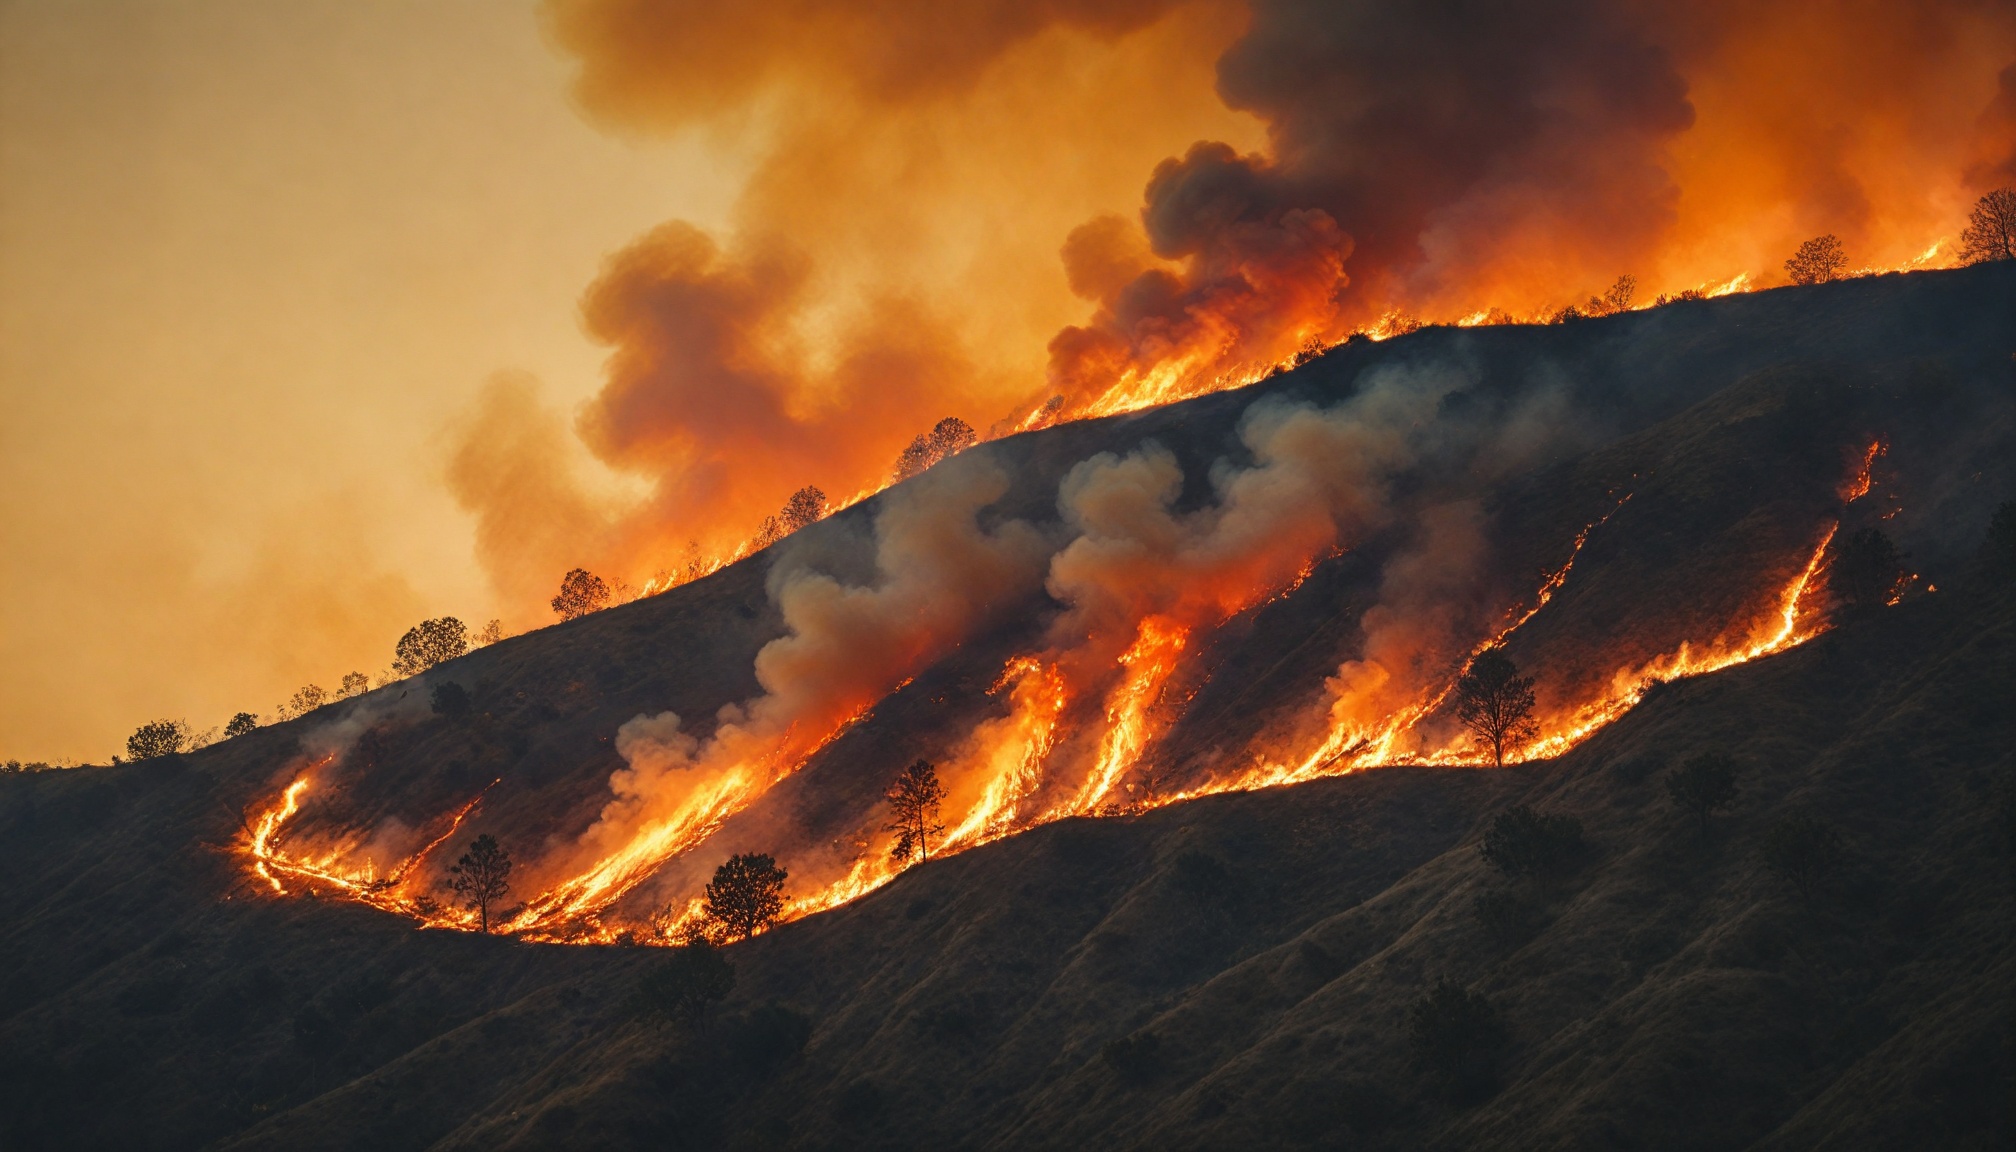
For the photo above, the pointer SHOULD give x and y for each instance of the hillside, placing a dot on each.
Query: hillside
(1669, 992)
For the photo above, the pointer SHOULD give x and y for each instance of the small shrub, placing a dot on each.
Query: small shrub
(681, 990)
(1506, 918)
(240, 724)
(1459, 1035)
(1868, 569)
(1522, 842)
(450, 699)
(1137, 1057)
(1703, 785)
(1805, 851)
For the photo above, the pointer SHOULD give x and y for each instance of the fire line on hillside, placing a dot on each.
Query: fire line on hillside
(1010, 766)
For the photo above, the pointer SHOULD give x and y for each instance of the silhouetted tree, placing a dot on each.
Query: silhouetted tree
(157, 738)
(1496, 703)
(1522, 842)
(1805, 851)
(1617, 299)
(240, 724)
(746, 895)
(428, 643)
(1991, 229)
(354, 684)
(693, 977)
(450, 699)
(948, 437)
(1868, 568)
(482, 877)
(306, 699)
(806, 507)
(914, 798)
(1702, 785)
(492, 632)
(581, 592)
(1459, 1035)
(1817, 261)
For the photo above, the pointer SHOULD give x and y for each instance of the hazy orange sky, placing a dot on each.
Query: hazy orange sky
(321, 317)
(259, 261)
(254, 257)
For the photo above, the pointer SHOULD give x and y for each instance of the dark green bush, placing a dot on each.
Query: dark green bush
(1806, 852)
(1508, 920)
(1703, 785)
(690, 981)
(1522, 842)
(1459, 1035)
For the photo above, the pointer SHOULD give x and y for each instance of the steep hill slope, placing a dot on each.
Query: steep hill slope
(1668, 993)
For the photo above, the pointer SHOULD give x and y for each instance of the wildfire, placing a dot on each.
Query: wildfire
(1857, 485)
(1148, 664)
(270, 862)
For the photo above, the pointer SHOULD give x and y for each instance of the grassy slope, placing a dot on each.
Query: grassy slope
(1677, 997)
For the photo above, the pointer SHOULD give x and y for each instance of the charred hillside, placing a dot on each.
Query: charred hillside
(1645, 509)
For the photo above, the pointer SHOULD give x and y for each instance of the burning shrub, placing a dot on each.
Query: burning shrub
(428, 643)
(1868, 570)
(691, 980)
(746, 895)
(581, 592)
(1804, 851)
(1991, 229)
(1702, 785)
(1459, 1035)
(913, 812)
(240, 724)
(1522, 842)
(1817, 261)
(157, 738)
(482, 877)
(1496, 703)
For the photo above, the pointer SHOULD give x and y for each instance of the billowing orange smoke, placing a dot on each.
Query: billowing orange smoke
(1312, 168)
(846, 648)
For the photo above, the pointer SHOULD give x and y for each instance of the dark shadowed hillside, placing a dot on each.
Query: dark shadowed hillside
(1235, 971)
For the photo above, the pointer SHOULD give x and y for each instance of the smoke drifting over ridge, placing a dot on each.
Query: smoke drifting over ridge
(846, 646)
(884, 268)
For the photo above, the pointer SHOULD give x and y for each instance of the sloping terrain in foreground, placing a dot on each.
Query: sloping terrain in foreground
(1235, 971)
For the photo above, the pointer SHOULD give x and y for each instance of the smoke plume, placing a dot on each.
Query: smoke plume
(940, 576)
